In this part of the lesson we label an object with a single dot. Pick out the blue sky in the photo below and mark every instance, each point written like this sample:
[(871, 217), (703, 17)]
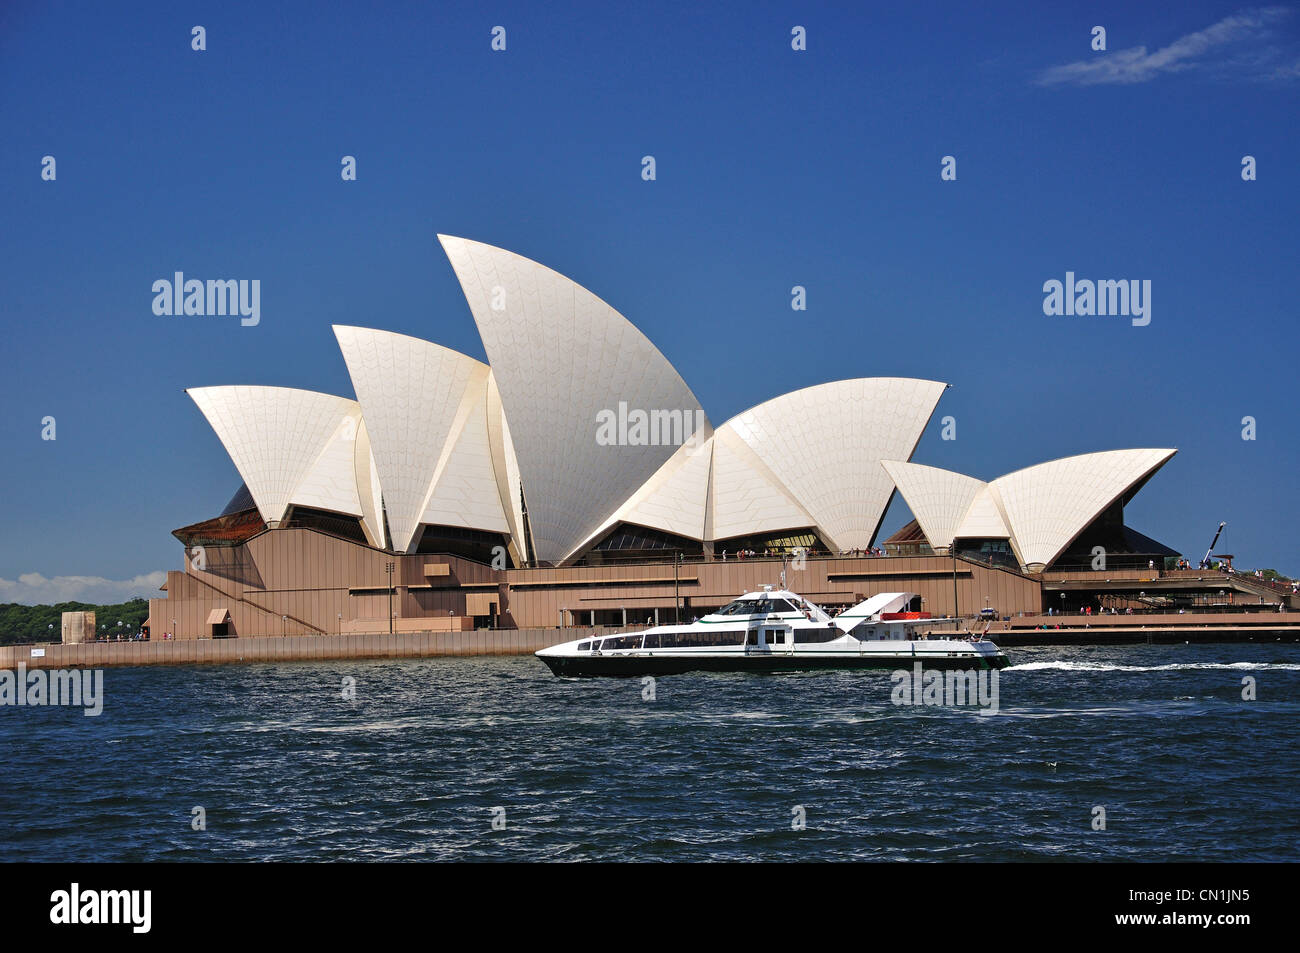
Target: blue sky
[(775, 168)]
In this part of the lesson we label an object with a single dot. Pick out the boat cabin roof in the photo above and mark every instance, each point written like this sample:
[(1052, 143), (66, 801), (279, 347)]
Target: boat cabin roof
[(769, 593)]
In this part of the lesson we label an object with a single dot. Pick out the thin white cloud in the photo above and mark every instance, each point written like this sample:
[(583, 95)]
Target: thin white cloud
[(33, 589), (1195, 50)]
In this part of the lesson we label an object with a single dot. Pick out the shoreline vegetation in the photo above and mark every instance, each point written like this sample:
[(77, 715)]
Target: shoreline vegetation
[(23, 625)]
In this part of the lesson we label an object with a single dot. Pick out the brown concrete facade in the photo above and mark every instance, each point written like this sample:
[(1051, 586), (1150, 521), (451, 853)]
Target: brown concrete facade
[(291, 582), (543, 596), (296, 582)]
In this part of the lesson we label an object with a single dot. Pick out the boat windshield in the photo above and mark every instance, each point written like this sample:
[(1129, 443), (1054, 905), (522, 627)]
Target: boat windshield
[(756, 607), (744, 607)]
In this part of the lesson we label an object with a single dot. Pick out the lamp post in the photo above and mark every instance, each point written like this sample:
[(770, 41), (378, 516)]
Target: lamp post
[(677, 613), (956, 613), (284, 624), (388, 568), (340, 623)]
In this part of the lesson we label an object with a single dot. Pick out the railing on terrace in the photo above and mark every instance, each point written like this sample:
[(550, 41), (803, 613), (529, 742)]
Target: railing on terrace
[(732, 556), (1211, 609)]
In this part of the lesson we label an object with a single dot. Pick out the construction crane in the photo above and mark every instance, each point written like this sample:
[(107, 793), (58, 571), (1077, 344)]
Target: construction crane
[(1205, 563)]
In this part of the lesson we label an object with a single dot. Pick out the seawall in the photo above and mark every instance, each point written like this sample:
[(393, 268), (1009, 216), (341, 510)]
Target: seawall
[(291, 648), (297, 648), (1151, 635)]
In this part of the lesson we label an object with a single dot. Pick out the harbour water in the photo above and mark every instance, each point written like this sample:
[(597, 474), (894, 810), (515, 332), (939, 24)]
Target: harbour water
[(496, 759)]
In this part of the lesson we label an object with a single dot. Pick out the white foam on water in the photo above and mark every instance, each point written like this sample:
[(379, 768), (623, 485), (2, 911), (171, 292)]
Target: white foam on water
[(1109, 710), (1173, 667)]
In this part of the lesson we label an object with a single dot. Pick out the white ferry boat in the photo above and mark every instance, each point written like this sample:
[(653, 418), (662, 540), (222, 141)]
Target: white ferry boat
[(776, 630)]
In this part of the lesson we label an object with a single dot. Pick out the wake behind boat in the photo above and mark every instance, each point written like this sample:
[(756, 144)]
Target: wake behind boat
[(776, 630)]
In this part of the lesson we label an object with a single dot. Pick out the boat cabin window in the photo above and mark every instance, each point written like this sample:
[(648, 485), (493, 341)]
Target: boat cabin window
[(828, 634), (584, 646), (621, 642), (782, 605), (697, 639)]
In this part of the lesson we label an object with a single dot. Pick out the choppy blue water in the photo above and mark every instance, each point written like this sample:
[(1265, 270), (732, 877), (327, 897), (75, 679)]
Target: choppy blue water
[(714, 768)]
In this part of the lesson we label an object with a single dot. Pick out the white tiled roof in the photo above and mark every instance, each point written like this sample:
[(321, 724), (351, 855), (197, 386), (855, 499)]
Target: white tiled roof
[(747, 498), (1040, 509), (417, 399), (276, 436), (983, 520), (1048, 505), (674, 500), (825, 444), (939, 499), (436, 437), (560, 356)]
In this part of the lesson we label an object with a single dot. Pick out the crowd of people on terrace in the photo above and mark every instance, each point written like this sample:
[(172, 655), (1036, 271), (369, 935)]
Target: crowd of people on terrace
[(776, 553), (139, 636)]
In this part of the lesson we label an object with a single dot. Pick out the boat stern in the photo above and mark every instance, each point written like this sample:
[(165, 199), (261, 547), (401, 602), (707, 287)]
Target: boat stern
[(991, 656)]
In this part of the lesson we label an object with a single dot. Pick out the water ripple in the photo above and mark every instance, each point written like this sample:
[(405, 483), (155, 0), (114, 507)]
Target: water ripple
[(430, 753)]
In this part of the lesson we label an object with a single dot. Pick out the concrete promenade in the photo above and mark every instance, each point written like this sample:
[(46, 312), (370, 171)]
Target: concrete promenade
[(1147, 628), (1101, 630), (290, 648)]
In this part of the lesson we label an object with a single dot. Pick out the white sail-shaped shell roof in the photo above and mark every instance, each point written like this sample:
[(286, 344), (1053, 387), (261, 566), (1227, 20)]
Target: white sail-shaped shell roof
[(674, 500), (417, 398), (746, 497), (369, 491), (276, 436), (806, 459), (1048, 505), (438, 438), (1040, 509), (560, 357), (983, 520), (505, 468), (331, 481), (825, 444), (464, 483), (939, 499)]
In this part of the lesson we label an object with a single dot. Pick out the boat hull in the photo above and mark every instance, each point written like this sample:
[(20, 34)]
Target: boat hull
[(632, 666)]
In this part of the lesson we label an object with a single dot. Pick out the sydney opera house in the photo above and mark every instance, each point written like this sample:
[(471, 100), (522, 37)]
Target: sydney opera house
[(575, 479)]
